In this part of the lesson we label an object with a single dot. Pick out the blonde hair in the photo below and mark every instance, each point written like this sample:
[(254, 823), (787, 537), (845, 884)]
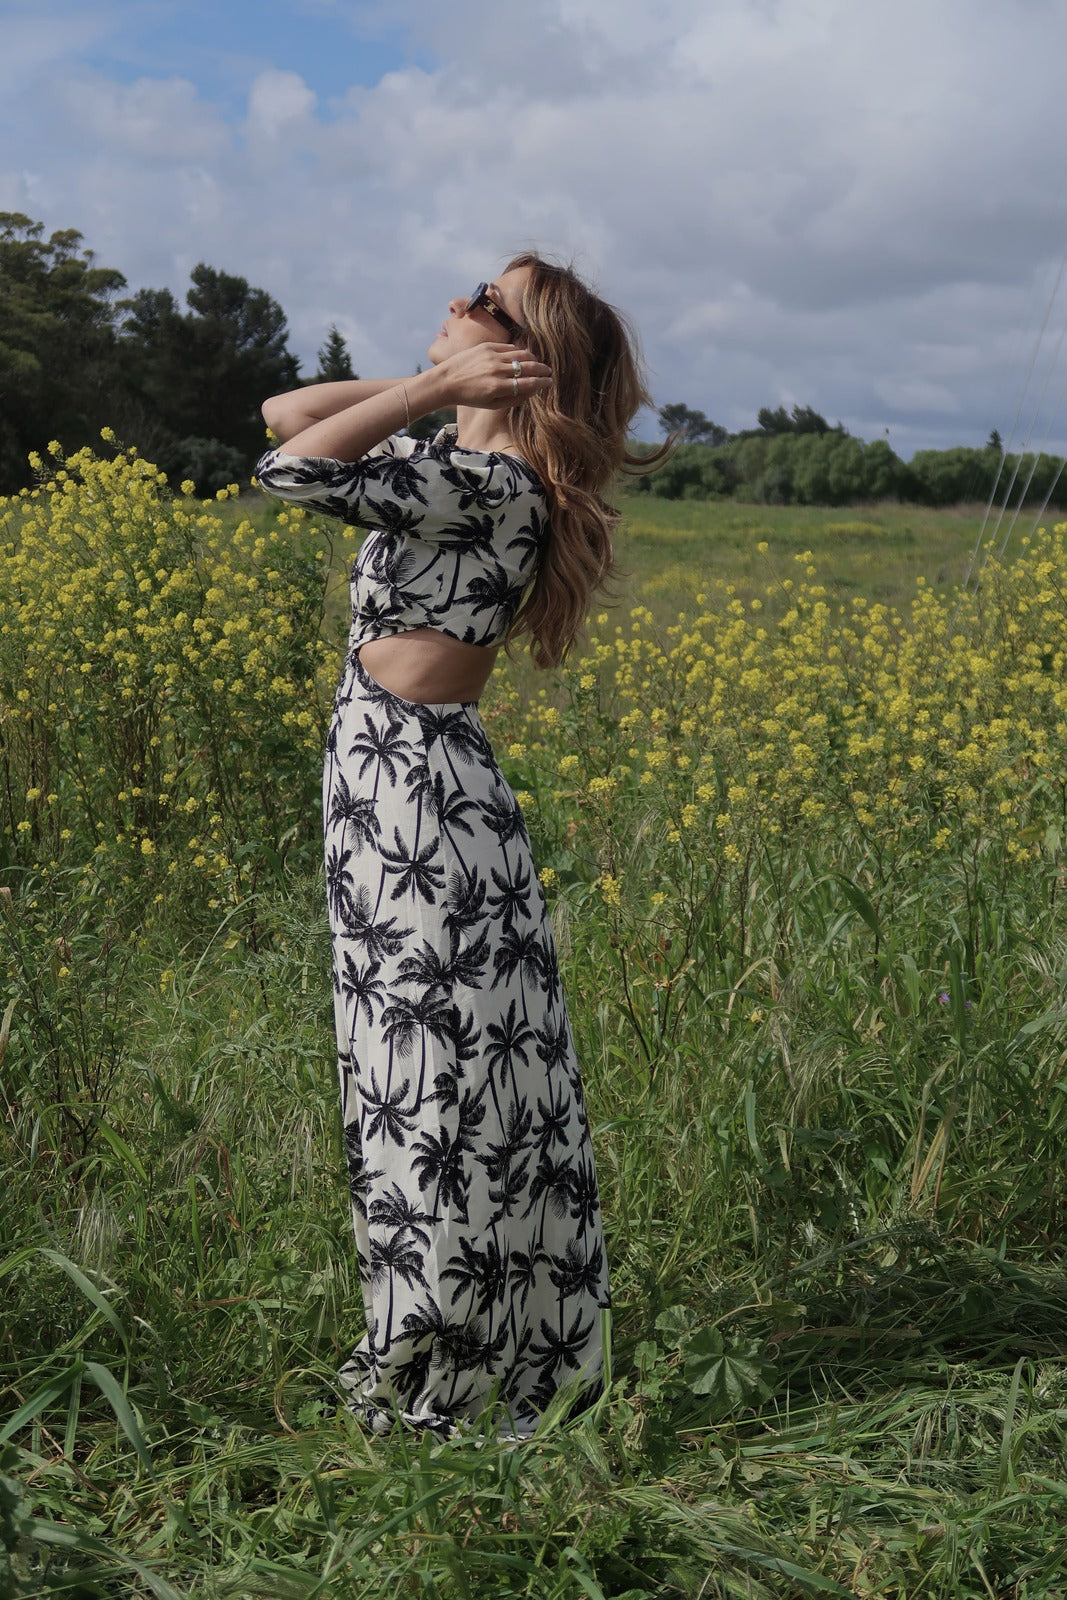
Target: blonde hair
[(575, 436)]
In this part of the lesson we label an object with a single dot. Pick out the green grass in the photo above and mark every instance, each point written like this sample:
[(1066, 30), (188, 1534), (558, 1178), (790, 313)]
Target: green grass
[(177, 1299), (668, 550), (834, 1210), (672, 547)]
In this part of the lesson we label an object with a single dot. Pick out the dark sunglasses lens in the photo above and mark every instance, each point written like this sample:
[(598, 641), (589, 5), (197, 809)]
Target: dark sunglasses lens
[(481, 298)]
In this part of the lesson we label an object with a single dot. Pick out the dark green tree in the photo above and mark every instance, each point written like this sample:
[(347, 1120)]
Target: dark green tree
[(335, 362), (947, 477), (692, 427), (153, 362), (194, 380), (57, 342), (812, 471), (774, 421), (994, 442), (237, 341), (691, 472), (846, 471), (802, 419), (807, 420), (884, 473)]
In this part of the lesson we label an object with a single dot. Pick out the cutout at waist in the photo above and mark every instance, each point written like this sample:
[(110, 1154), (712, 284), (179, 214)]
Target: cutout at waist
[(426, 666)]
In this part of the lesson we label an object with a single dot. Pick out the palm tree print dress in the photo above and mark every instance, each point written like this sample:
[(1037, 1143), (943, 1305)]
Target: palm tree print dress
[(474, 1195)]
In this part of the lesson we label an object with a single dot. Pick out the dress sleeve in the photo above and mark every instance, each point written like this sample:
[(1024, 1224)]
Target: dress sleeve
[(428, 495)]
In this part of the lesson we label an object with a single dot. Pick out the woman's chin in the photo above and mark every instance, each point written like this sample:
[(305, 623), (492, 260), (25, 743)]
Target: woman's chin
[(437, 351)]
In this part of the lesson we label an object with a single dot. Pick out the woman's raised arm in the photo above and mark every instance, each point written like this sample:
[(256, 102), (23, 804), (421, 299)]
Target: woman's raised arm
[(289, 413)]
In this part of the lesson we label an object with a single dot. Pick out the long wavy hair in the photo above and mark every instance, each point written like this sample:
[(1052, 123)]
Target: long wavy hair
[(575, 435)]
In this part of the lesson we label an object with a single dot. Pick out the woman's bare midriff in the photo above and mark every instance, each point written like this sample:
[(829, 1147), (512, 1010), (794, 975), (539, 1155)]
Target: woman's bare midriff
[(428, 667)]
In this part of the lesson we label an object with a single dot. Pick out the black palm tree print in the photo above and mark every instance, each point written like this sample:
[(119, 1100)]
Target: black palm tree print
[(385, 1114), (509, 895), (395, 1210), (474, 1198), (440, 1162), (522, 950), (339, 880), (552, 1184), (358, 814), (507, 1042), (479, 1273), (379, 937), (577, 1271), (379, 747), (561, 1348), (416, 871), (465, 901), (503, 816), (361, 986), (552, 1128), (449, 810), (529, 539), (495, 594)]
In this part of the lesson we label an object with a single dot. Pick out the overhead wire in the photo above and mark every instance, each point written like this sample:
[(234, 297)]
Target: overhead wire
[(1007, 447), (1038, 454)]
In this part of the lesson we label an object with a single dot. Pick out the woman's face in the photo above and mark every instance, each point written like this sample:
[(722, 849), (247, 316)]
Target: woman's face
[(463, 329)]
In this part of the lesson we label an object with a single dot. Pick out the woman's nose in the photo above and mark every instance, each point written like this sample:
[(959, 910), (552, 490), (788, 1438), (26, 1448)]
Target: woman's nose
[(457, 305)]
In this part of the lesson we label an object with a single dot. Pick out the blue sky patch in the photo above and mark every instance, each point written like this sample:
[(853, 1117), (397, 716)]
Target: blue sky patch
[(221, 45)]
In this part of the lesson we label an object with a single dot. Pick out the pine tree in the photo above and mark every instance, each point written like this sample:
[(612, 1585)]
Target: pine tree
[(57, 343), (335, 363)]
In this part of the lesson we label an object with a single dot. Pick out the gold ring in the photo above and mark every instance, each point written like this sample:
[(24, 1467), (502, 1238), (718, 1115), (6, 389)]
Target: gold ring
[(515, 387)]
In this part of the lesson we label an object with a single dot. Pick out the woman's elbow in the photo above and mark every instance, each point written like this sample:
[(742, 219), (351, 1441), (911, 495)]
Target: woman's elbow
[(273, 412)]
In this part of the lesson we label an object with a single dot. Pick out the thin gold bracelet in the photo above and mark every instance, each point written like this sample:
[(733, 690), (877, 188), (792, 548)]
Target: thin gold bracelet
[(407, 408)]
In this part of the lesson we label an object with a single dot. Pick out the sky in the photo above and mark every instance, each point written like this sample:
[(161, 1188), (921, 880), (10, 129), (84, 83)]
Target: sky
[(856, 206)]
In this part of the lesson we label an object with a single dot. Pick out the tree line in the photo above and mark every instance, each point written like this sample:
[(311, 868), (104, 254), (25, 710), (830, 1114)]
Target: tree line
[(185, 383), (798, 458)]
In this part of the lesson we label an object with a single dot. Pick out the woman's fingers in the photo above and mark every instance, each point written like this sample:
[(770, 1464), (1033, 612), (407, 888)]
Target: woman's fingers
[(503, 357), (496, 374), (531, 367), (526, 375)]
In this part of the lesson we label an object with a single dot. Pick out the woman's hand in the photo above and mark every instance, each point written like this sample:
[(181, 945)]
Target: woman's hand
[(485, 375)]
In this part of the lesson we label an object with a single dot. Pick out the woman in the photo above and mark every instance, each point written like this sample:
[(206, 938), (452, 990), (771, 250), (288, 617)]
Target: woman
[(474, 1196)]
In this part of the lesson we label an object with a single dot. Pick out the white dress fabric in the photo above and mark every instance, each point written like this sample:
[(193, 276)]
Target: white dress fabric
[(474, 1195)]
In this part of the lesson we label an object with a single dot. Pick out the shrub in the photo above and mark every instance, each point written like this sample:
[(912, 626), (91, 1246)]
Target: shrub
[(164, 683)]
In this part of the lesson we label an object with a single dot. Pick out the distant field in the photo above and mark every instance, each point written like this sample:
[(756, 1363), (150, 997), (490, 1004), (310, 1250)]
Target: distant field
[(669, 551), (670, 548)]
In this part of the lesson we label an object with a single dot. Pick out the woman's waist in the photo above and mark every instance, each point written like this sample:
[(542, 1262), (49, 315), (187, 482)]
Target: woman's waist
[(425, 664)]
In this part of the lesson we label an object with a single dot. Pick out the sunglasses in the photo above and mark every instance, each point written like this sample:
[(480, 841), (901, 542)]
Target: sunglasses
[(480, 300)]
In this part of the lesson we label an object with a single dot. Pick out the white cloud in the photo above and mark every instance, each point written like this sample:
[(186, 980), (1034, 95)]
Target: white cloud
[(279, 103), (37, 37), (153, 122), (795, 199), (917, 394)]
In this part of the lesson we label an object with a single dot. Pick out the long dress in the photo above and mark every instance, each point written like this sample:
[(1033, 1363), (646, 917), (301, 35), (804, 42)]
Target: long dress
[(474, 1194)]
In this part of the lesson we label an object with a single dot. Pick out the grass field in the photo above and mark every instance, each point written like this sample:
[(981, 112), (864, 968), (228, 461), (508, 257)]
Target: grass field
[(668, 550), (807, 869), (877, 551)]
